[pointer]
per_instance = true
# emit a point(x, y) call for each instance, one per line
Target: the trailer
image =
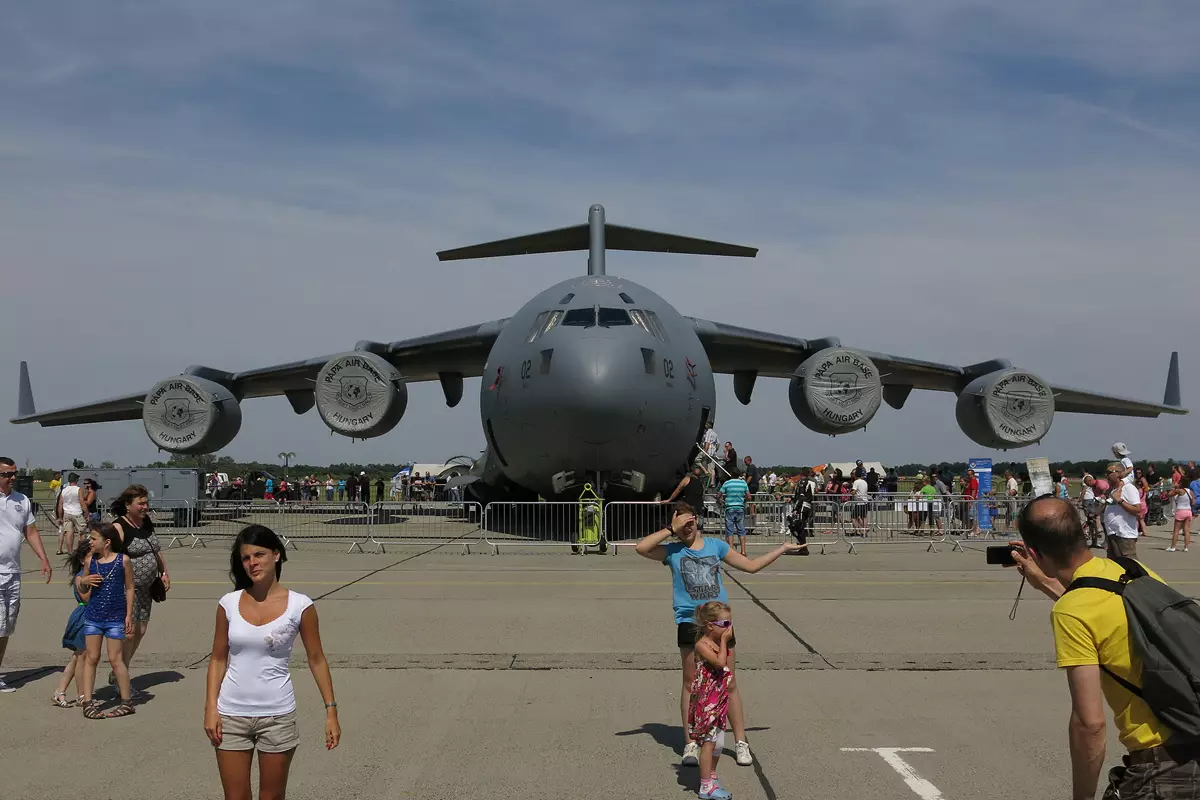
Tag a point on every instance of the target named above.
point(172, 491)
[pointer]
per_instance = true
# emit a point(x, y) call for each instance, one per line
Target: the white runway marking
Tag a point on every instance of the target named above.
point(921, 787)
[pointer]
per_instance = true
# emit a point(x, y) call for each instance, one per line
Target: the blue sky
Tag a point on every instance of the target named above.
point(243, 184)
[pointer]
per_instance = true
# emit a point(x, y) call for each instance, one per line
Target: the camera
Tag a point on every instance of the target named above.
point(1002, 555)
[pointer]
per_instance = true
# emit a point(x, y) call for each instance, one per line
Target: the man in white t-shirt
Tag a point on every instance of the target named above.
point(1121, 513)
point(1011, 490)
point(69, 513)
point(858, 517)
point(16, 523)
point(709, 444)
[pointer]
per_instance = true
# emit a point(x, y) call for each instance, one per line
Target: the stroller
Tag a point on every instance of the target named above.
point(1156, 507)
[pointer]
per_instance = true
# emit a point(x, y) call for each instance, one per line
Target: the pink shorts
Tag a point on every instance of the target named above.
point(1183, 514)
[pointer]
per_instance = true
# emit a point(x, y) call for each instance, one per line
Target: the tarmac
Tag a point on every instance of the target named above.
point(889, 673)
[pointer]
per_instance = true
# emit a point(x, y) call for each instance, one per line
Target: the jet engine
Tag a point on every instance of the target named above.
point(360, 395)
point(187, 414)
point(1006, 409)
point(835, 391)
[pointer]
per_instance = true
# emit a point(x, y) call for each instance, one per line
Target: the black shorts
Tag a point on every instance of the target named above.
point(685, 636)
point(860, 510)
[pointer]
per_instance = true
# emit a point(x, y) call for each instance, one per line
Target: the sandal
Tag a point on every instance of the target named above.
point(60, 699)
point(91, 710)
point(123, 710)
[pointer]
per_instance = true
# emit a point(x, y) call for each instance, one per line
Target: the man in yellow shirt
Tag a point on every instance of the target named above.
point(56, 483)
point(1091, 631)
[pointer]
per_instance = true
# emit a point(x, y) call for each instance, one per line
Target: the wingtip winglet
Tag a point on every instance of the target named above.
point(1171, 397)
point(25, 406)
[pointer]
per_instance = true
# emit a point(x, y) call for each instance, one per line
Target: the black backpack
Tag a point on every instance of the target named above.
point(1164, 629)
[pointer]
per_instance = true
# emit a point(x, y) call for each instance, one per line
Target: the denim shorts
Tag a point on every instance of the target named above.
point(109, 630)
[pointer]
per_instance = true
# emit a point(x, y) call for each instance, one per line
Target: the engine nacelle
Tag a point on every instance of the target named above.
point(186, 414)
point(835, 391)
point(360, 395)
point(1006, 409)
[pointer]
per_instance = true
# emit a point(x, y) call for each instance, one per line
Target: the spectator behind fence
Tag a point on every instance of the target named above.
point(1092, 644)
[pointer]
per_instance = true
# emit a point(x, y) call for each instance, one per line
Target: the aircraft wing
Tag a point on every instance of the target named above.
point(733, 349)
point(462, 351)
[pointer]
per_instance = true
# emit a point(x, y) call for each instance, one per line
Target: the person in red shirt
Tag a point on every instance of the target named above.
point(973, 495)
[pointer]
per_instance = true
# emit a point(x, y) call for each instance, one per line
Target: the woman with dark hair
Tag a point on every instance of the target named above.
point(250, 704)
point(139, 543)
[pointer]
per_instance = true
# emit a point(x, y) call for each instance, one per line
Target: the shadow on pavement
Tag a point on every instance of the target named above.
point(19, 678)
point(671, 737)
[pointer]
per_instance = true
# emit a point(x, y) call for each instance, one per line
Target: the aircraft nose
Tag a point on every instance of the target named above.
point(599, 401)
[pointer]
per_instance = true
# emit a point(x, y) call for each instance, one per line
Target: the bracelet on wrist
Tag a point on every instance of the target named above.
point(331, 705)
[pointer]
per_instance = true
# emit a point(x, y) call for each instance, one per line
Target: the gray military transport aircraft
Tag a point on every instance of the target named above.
point(596, 379)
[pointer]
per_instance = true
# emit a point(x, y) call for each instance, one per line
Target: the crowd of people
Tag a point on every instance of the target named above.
point(117, 573)
point(315, 489)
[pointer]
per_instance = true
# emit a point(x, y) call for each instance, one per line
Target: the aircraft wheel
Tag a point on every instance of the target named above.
point(603, 546)
point(575, 549)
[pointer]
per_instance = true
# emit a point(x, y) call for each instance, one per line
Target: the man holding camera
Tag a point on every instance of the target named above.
point(1092, 644)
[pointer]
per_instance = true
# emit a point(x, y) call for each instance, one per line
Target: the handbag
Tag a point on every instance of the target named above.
point(158, 590)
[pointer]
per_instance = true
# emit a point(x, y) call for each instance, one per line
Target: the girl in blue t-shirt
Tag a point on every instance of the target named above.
point(73, 639)
point(108, 617)
point(695, 563)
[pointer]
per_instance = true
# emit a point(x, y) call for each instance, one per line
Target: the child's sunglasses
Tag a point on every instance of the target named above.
point(722, 623)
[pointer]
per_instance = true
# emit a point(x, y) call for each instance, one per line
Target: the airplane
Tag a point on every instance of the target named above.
point(595, 380)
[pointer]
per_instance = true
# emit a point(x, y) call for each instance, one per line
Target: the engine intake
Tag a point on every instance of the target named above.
point(1006, 409)
point(186, 414)
point(360, 395)
point(835, 391)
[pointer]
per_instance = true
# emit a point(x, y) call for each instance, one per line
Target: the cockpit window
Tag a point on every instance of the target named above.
point(567, 298)
point(649, 322)
point(608, 317)
point(544, 323)
point(580, 318)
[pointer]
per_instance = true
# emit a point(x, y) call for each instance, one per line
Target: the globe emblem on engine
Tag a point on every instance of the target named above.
point(844, 389)
point(1018, 405)
point(177, 412)
point(353, 392)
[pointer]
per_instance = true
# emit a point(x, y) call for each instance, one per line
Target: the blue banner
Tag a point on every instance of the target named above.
point(984, 508)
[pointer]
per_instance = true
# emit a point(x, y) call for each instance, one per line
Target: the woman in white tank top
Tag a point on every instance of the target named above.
point(250, 704)
point(1184, 500)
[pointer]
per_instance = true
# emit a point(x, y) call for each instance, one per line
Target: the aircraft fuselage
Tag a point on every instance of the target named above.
point(595, 376)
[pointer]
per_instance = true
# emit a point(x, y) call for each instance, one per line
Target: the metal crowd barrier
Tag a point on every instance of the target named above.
point(585, 526)
point(335, 523)
point(574, 524)
point(209, 519)
point(425, 523)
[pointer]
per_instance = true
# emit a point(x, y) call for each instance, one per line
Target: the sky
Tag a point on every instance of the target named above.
point(242, 184)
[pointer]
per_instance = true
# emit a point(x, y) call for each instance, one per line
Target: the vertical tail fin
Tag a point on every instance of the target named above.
point(1171, 396)
point(25, 406)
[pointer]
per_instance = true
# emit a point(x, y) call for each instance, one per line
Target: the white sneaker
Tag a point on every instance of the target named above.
point(6, 689)
point(744, 759)
point(691, 755)
point(1170, 549)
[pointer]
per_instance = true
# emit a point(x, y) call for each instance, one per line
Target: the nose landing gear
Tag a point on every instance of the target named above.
point(591, 523)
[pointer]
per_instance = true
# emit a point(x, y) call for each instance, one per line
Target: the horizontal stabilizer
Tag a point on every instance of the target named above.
point(616, 237)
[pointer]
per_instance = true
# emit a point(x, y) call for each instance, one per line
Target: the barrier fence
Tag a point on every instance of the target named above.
point(585, 526)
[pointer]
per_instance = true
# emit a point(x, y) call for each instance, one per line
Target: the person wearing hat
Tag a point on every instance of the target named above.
point(1121, 451)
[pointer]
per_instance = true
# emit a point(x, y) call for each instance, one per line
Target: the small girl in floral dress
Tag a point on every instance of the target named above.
point(709, 707)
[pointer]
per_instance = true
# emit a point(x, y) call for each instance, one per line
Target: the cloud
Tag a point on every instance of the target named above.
point(243, 185)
